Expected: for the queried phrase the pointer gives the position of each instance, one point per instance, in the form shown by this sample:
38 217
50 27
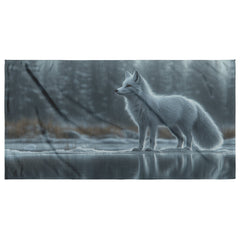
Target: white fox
185 118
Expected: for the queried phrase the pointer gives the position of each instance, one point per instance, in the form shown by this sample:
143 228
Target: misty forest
63 120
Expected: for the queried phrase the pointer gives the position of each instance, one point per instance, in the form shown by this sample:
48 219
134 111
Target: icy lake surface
112 158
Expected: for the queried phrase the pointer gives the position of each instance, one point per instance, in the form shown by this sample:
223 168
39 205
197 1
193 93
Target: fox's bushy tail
205 132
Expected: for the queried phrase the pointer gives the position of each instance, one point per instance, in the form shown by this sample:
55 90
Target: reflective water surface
108 159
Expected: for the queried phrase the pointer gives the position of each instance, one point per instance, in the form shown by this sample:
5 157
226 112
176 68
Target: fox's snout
115 90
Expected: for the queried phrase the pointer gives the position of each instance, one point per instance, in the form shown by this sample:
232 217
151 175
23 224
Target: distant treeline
83 90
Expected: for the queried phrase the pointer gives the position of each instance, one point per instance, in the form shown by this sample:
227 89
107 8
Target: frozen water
112 158
30 147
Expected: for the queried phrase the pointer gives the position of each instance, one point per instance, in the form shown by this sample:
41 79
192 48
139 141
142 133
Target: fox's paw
137 149
179 147
148 149
187 149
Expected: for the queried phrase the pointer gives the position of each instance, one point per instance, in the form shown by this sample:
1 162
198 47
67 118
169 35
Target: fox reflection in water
149 165
180 166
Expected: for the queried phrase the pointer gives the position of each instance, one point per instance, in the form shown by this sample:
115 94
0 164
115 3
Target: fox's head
131 84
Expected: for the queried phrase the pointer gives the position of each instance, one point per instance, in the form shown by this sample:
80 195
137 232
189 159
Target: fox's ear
127 74
136 76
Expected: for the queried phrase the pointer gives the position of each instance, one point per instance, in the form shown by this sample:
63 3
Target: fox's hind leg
178 134
188 133
189 140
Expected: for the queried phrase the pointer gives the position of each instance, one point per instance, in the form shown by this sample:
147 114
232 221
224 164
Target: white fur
185 118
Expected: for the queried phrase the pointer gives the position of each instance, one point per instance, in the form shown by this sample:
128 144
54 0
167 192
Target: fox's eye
128 85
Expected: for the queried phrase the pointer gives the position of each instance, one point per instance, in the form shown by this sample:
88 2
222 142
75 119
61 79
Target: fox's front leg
142 134
153 133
